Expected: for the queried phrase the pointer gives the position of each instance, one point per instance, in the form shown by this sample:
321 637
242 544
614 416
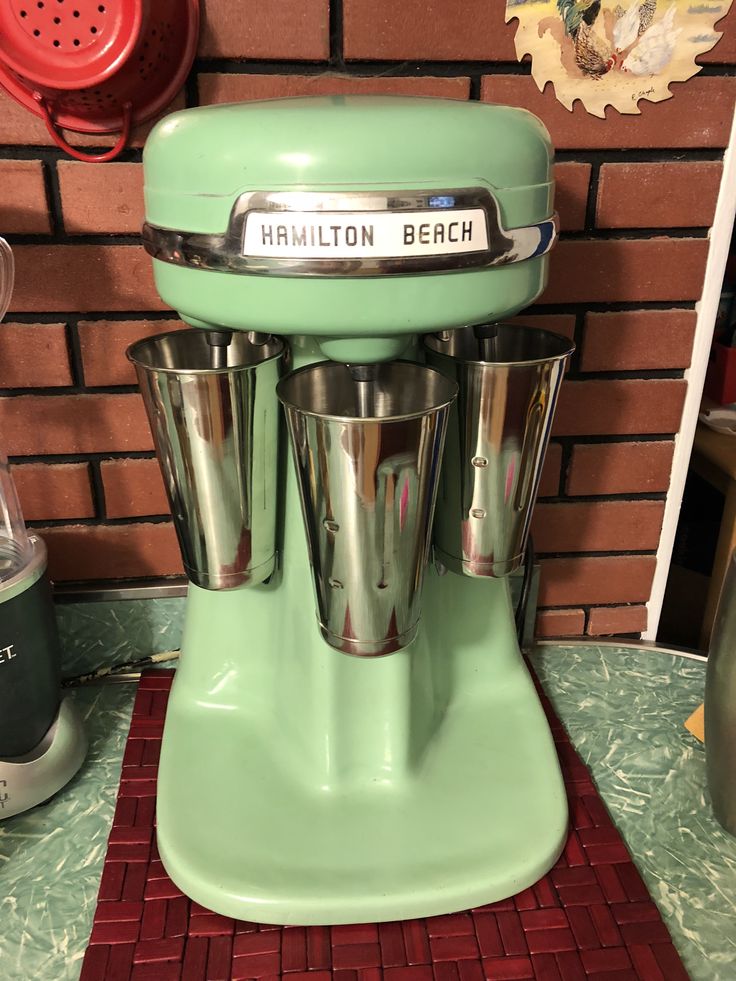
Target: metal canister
367 445
509 378
215 422
720 706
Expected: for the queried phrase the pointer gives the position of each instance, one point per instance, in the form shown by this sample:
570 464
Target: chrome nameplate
356 233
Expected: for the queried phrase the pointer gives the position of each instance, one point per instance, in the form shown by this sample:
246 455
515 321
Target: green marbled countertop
623 708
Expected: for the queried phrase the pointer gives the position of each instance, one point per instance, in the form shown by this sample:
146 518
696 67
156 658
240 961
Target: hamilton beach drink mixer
352 734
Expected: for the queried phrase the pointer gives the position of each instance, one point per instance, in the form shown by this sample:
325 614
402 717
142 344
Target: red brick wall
636 195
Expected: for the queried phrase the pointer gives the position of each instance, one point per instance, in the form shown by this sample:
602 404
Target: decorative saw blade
614 52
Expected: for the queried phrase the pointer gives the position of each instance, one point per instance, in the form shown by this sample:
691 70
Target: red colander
96 66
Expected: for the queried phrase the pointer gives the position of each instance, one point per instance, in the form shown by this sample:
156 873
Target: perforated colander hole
93 29
101 8
57 20
57 44
75 13
40 4
76 42
37 33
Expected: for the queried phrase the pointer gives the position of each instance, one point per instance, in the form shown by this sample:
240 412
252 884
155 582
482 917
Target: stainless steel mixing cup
215 421
509 379
367 444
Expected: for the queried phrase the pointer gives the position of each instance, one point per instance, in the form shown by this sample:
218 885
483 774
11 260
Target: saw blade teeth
584 65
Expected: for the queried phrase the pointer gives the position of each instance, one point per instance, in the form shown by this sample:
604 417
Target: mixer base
428 781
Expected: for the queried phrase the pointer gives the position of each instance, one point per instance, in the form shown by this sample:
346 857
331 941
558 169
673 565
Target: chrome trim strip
108 594
224 252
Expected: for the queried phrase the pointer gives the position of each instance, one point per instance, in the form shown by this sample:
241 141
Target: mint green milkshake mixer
352 733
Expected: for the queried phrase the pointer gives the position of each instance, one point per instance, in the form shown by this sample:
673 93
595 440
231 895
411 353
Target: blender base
301 786
29 780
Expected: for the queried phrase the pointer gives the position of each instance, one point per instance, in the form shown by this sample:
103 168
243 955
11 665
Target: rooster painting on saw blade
614 52
628 40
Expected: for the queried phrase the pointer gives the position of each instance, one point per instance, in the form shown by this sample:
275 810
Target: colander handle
46 113
7 276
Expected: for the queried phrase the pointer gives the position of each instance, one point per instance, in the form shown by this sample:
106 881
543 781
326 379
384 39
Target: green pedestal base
301 786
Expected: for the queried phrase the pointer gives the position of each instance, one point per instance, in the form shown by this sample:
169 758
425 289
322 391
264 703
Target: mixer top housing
349 217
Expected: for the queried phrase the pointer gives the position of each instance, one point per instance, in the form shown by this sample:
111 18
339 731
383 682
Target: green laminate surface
51 857
624 710
102 634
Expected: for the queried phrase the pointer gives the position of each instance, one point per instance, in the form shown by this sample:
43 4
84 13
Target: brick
454 948
34 356
560 623
630 270
698 115
592 408
94 964
470 970
549 941
152 951
83 278
549 484
106 197
103 344
571 194
36 424
507 968
356 956
724 51
115 933
23 206
611 959
240 88
170 971
353 933
658 195
611 620
19 127
543 919
79 552
257 943
50 492
645 963
133 488
598 526
620 468
638 340
268 29
596 579
427 30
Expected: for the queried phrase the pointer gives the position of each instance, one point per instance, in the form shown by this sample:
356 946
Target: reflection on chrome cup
509 378
367 445
215 422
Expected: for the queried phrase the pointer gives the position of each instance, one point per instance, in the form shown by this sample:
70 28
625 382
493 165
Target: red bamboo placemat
590 919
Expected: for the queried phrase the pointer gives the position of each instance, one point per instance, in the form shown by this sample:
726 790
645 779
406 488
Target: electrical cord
111 671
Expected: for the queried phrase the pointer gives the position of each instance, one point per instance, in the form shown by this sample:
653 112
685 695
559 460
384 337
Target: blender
352 441
42 744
